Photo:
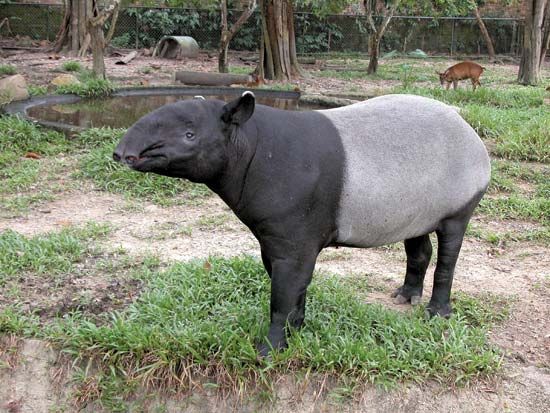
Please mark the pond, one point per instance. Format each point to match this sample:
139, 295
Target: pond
125, 107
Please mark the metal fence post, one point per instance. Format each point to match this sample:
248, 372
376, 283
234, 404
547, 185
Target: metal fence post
137, 31
452, 37
48, 23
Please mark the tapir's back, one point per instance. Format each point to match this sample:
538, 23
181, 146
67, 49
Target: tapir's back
409, 163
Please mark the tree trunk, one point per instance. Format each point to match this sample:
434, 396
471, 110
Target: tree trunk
485, 34
227, 34
374, 49
82, 29
546, 34
279, 60
529, 68
76, 17
377, 33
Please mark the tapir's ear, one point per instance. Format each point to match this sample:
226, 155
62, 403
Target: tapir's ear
238, 111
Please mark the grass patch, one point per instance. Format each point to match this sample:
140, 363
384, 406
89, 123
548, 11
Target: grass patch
18, 137
25, 181
90, 87
7, 70
35, 90
517, 207
72, 66
200, 322
514, 118
519, 191
511, 97
98, 165
48, 254
519, 133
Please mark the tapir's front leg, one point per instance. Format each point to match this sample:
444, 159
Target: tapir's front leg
290, 277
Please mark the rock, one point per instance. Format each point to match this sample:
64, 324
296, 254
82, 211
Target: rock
13, 88
65, 79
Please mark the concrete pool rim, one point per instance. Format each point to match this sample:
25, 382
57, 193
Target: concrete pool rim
21, 108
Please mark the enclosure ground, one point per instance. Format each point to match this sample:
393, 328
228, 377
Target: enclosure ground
500, 259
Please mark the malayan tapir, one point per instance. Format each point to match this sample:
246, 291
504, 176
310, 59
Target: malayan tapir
393, 168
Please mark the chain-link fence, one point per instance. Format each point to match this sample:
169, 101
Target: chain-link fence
139, 27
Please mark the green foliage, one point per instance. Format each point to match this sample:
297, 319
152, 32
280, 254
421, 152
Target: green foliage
122, 41
197, 317
72, 66
515, 118
35, 90
98, 165
312, 33
7, 70
89, 87
17, 137
48, 254
408, 77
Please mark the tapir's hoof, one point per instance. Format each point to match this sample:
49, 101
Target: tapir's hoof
402, 297
444, 311
265, 349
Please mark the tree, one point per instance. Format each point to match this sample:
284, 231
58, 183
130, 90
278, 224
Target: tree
83, 28
228, 33
546, 34
95, 24
278, 58
533, 46
376, 33
484, 32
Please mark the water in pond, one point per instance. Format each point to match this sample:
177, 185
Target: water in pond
123, 111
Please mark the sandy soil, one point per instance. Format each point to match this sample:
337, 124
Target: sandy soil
518, 272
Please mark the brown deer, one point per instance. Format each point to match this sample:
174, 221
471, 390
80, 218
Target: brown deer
461, 71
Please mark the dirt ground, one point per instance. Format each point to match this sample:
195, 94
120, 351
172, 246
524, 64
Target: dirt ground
517, 271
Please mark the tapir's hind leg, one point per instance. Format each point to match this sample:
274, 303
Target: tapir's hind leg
419, 252
450, 234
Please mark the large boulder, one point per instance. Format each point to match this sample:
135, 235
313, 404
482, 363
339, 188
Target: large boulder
13, 88
64, 79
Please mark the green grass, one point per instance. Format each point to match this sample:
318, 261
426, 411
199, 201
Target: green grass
72, 66
515, 118
89, 87
17, 137
98, 165
517, 207
7, 70
35, 90
204, 320
518, 191
49, 254
19, 174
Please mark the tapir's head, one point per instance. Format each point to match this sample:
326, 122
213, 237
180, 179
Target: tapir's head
188, 139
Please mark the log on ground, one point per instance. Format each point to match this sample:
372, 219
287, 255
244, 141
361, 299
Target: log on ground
212, 79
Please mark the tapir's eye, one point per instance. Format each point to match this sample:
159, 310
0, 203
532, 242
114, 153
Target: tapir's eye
190, 135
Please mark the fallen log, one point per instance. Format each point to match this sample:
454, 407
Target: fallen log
212, 79
126, 59
301, 60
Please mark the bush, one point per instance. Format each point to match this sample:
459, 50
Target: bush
7, 70
72, 66
89, 88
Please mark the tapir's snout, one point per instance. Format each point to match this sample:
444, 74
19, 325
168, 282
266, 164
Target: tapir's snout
120, 156
117, 155
127, 158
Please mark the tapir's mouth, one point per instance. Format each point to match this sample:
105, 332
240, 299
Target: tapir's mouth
149, 163
150, 158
